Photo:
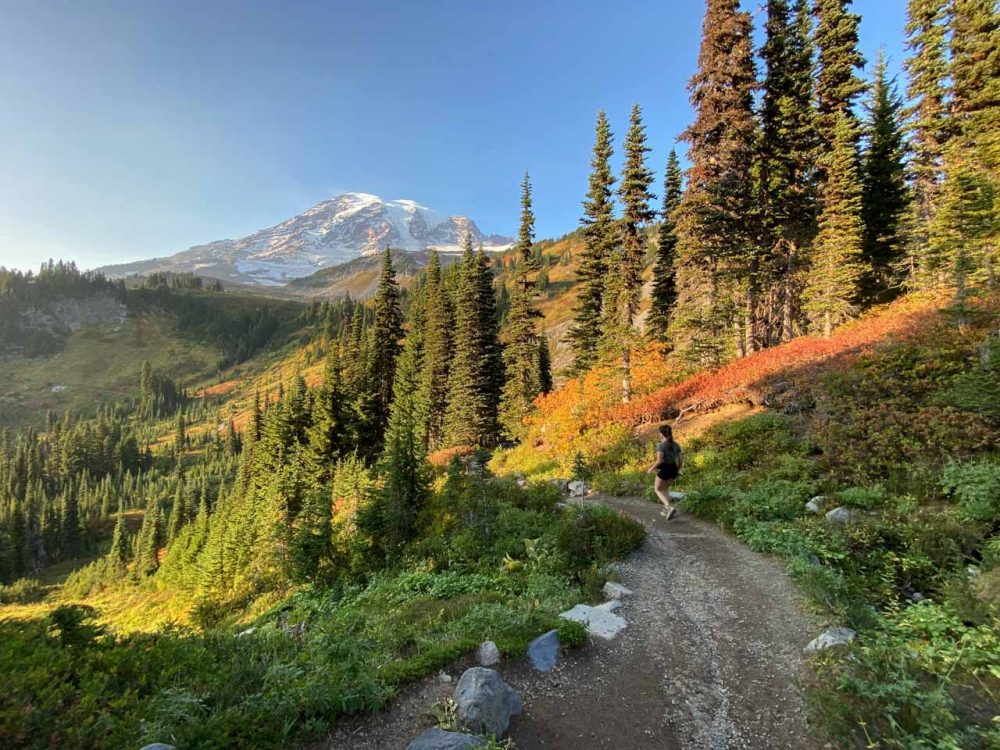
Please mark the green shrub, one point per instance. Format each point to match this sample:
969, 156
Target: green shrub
622, 483
975, 486
22, 591
594, 534
865, 498
572, 634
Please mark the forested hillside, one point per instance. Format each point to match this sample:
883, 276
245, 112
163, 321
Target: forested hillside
299, 507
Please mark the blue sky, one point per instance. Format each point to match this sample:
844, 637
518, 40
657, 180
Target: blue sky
137, 128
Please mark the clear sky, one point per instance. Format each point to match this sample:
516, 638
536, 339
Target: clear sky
136, 128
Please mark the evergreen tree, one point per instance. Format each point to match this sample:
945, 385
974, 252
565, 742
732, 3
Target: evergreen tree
837, 82
599, 237
664, 294
386, 333
521, 332
787, 164
177, 516
118, 554
477, 365
621, 299
927, 70
392, 517
329, 433
544, 365
69, 527
884, 192
438, 326
836, 258
233, 445
180, 437
718, 265
150, 540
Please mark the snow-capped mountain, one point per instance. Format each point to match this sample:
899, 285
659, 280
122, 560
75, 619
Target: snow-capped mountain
333, 232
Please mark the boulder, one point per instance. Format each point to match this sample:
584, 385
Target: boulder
840, 516
439, 739
830, 638
917, 597
159, 746
816, 504
599, 621
544, 651
488, 654
614, 590
674, 495
485, 702
443, 677
521, 482
561, 484
610, 606
577, 488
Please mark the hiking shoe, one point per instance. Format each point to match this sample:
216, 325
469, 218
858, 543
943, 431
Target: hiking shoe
670, 513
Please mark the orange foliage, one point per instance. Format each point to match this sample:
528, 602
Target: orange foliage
660, 389
440, 459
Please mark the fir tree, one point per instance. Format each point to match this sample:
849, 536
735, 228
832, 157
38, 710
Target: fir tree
621, 299
438, 326
837, 84
521, 332
392, 518
787, 163
476, 373
150, 540
180, 437
177, 516
927, 71
884, 192
69, 527
664, 294
328, 435
717, 270
836, 258
386, 333
600, 237
544, 365
118, 554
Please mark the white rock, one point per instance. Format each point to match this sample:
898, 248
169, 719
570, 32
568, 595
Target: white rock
443, 677
830, 638
609, 606
840, 516
614, 590
488, 654
577, 488
521, 482
674, 495
599, 622
248, 631
816, 504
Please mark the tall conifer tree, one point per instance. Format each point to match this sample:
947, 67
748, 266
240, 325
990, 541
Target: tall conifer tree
836, 266
521, 331
837, 82
717, 249
884, 192
664, 294
438, 327
386, 333
599, 236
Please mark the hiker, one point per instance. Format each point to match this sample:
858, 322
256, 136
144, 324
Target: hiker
667, 467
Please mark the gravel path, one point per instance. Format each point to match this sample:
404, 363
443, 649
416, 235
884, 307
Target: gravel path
711, 659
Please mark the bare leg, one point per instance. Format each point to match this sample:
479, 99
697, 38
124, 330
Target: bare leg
662, 489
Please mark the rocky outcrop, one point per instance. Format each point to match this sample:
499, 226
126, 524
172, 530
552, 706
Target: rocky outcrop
840, 516
830, 638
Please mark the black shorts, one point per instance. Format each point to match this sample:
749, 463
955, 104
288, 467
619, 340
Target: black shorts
668, 472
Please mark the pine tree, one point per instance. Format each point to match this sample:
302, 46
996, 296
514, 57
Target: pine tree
787, 163
544, 365
329, 433
386, 333
664, 294
392, 518
180, 437
150, 540
718, 267
836, 266
599, 236
118, 554
177, 516
477, 373
837, 82
69, 527
233, 444
521, 332
927, 70
438, 326
621, 296
884, 192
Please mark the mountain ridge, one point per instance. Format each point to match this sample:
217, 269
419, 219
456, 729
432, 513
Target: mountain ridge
335, 231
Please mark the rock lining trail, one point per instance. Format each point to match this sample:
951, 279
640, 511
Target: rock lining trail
711, 658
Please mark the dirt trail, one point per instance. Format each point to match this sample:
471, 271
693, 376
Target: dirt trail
711, 658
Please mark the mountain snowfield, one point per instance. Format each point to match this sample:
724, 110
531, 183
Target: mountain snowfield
335, 231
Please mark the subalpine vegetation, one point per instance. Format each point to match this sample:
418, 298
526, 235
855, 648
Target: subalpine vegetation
242, 564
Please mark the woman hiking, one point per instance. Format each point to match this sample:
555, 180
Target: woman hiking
667, 467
